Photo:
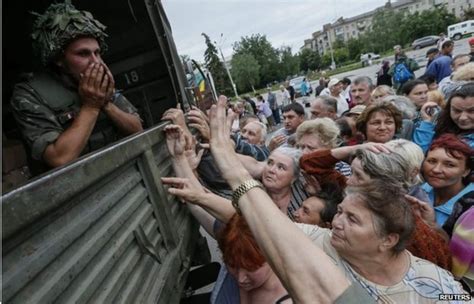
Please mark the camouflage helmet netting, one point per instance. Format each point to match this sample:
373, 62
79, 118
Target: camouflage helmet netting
60, 24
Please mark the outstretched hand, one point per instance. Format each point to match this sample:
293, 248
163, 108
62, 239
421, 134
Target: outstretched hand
423, 210
198, 120
376, 147
176, 116
221, 146
175, 140
183, 188
194, 158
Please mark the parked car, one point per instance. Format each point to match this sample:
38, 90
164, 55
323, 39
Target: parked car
456, 31
296, 84
424, 42
364, 58
368, 56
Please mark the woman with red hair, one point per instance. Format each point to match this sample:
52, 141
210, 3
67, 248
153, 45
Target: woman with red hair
251, 279
447, 172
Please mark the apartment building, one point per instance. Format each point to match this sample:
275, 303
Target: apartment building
346, 28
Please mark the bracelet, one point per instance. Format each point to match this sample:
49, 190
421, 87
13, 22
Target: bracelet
241, 190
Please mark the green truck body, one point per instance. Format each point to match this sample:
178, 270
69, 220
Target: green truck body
102, 229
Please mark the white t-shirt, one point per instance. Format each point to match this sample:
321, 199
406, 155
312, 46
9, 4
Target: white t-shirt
423, 282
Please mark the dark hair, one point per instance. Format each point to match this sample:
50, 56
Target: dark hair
445, 123
385, 107
410, 85
296, 107
428, 79
447, 43
392, 213
332, 195
346, 80
344, 127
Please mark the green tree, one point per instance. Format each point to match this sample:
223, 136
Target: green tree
245, 71
309, 60
289, 64
216, 67
341, 55
355, 48
468, 14
326, 60
261, 49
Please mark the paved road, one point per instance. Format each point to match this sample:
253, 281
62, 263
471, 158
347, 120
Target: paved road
460, 47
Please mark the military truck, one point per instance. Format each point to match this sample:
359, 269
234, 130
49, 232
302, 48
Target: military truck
101, 229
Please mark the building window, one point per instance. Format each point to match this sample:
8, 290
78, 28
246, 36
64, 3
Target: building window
417, 6
454, 10
353, 33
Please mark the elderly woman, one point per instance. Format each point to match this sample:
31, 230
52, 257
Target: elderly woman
380, 92
253, 280
456, 118
447, 172
278, 174
365, 246
379, 122
310, 135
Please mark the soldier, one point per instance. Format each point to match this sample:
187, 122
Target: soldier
71, 108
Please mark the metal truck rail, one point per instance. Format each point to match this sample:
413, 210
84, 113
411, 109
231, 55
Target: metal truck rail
100, 230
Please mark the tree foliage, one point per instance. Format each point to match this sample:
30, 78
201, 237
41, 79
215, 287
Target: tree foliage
289, 64
262, 50
309, 60
256, 62
245, 71
216, 67
389, 28
468, 14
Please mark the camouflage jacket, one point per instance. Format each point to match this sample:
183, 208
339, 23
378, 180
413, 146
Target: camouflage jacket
44, 107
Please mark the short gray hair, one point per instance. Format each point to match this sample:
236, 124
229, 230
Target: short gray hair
412, 153
364, 79
404, 104
328, 102
390, 167
325, 129
294, 154
263, 128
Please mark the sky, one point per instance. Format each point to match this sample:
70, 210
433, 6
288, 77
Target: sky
284, 22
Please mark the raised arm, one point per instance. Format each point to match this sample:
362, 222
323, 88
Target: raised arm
186, 185
307, 273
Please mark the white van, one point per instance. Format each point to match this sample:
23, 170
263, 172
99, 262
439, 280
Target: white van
456, 31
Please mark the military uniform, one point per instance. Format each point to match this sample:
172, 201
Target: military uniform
45, 105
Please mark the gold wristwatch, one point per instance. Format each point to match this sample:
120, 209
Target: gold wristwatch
241, 190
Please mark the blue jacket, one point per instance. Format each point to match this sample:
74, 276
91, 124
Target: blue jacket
440, 68
424, 133
444, 211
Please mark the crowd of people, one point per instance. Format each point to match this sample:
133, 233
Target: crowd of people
368, 197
